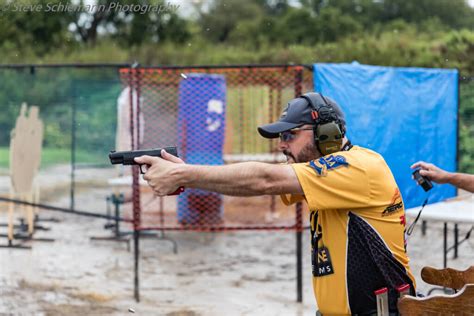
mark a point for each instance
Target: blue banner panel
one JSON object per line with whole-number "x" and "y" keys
{"x": 201, "y": 131}
{"x": 405, "y": 114}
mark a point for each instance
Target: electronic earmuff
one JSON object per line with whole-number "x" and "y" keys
{"x": 327, "y": 129}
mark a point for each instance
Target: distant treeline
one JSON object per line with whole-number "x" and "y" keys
{"x": 427, "y": 33}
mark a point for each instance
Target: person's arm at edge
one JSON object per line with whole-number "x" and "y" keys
{"x": 461, "y": 180}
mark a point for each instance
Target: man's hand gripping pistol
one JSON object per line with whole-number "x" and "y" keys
{"x": 128, "y": 158}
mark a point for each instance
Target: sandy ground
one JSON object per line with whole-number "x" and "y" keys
{"x": 234, "y": 273}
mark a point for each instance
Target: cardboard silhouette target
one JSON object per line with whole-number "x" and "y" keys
{"x": 123, "y": 139}
{"x": 123, "y": 136}
{"x": 25, "y": 159}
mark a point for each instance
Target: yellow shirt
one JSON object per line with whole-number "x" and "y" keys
{"x": 357, "y": 228}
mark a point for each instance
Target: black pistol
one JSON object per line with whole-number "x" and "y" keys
{"x": 423, "y": 181}
{"x": 128, "y": 158}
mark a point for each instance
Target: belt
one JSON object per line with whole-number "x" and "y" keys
{"x": 318, "y": 313}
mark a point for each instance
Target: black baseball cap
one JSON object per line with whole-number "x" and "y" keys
{"x": 297, "y": 113}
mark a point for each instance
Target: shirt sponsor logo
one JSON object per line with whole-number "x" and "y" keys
{"x": 396, "y": 204}
{"x": 327, "y": 163}
{"x": 321, "y": 262}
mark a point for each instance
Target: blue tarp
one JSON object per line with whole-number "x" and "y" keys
{"x": 405, "y": 114}
{"x": 201, "y": 130}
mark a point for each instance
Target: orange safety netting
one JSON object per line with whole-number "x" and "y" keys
{"x": 211, "y": 114}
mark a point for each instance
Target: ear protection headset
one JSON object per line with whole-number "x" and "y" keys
{"x": 328, "y": 130}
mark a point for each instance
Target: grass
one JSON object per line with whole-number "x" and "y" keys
{"x": 4, "y": 157}
{"x": 54, "y": 156}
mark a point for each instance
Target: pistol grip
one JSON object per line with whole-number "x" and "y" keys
{"x": 178, "y": 191}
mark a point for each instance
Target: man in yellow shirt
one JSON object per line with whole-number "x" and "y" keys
{"x": 357, "y": 212}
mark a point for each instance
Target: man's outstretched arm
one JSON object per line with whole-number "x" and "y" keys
{"x": 241, "y": 179}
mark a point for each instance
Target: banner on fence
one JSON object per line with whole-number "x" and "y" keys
{"x": 201, "y": 128}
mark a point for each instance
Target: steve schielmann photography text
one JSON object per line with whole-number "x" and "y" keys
{"x": 91, "y": 8}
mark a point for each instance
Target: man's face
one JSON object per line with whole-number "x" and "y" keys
{"x": 298, "y": 145}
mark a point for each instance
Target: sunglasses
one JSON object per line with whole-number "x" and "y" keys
{"x": 288, "y": 136}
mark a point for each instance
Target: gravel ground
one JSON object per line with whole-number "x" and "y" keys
{"x": 236, "y": 273}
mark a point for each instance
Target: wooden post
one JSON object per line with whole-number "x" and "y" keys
{"x": 10, "y": 219}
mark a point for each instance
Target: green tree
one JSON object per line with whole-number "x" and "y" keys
{"x": 453, "y": 13}
{"x": 274, "y": 7}
{"x": 129, "y": 27}
{"x": 297, "y": 26}
{"x": 152, "y": 27}
{"x": 30, "y": 26}
{"x": 466, "y": 126}
{"x": 333, "y": 24}
{"x": 224, "y": 17}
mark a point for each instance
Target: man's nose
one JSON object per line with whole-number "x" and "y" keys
{"x": 282, "y": 145}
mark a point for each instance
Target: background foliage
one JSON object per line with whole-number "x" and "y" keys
{"x": 422, "y": 33}
{"x": 428, "y": 33}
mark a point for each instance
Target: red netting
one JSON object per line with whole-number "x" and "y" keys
{"x": 211, "y": 115}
